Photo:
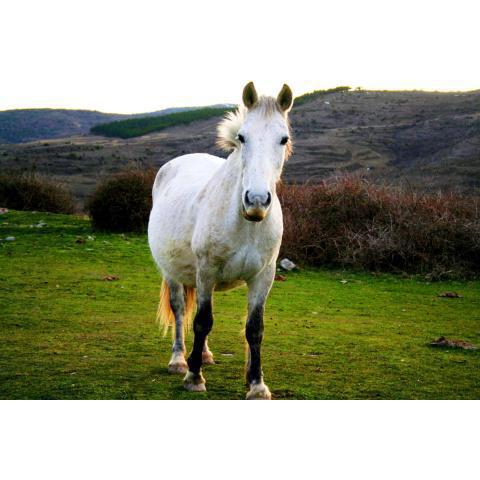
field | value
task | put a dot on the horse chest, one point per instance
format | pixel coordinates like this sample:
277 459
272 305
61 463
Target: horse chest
243 263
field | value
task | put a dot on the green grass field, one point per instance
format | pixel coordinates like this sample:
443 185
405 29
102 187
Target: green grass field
66 333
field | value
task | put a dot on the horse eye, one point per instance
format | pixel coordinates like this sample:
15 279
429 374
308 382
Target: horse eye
241 138
284 140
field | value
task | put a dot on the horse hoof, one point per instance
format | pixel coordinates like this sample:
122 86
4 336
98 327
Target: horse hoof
178 367
194 383
259 391
177 363
207 358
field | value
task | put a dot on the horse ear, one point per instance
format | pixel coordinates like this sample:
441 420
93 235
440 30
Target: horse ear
250 97
285 98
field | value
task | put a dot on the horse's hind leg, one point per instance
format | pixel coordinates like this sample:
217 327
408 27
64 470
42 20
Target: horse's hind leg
177 363
202 324
258 290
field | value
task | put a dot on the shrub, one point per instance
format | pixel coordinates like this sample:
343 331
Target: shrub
348 222
123 202
34 192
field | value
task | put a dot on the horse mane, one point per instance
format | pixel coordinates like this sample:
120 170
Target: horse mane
227 129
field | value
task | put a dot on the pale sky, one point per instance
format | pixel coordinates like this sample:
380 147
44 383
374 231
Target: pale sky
140 56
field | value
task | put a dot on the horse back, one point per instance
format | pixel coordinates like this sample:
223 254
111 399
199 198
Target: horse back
185 174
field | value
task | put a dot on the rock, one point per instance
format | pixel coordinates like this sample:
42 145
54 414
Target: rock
287 264
40 224
10 239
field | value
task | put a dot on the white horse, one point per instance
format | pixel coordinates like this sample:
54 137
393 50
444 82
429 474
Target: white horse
216 224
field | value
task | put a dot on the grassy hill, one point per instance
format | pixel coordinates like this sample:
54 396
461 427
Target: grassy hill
136 127
67 333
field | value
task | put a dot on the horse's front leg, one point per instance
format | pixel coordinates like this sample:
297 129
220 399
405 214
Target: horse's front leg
258 290
202 324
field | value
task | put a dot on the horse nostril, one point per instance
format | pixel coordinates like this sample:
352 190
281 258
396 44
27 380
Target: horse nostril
257 199
269 199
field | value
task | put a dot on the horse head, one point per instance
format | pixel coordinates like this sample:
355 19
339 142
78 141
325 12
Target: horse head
260 133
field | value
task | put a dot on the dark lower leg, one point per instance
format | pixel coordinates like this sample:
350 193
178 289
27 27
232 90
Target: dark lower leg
202 325
254 334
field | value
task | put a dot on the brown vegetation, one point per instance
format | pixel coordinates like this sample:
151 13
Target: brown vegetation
34 192
347 221
344 221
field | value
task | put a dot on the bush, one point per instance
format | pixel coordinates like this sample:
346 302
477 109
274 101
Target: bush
123 202
34 192
348 222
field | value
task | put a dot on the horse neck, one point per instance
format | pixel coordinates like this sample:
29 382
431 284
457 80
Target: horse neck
231 183
223 193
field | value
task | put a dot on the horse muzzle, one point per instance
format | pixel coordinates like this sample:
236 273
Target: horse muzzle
255 207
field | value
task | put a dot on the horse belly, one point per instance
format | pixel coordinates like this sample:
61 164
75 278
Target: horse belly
222 286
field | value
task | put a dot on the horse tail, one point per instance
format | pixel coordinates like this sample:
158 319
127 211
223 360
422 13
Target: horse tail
190 301
165 315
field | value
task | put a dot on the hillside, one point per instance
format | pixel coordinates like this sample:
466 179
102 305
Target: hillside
18 126
424 139
28 125
137 127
